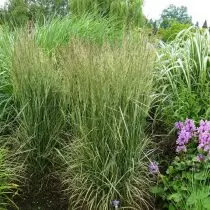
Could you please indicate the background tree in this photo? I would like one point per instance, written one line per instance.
(49, 7)
(197, 24)
(155, 27)
(173, 13)
(205, 25)
(16, 12)
(149, 23)
(128, 12)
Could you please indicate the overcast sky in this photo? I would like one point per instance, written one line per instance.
(198, 9)
(2, 2)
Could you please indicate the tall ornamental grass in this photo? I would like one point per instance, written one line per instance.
(8, 179)
(109, 94)
(183, 77)
(91, 28)
(6, 93)
(40, 105)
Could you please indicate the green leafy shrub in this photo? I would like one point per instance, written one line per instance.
(186, 182)
(170, 33)
(110, 91)
(185, 185)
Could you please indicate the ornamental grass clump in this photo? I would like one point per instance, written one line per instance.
(109, 89)
(7, 112)
(183, 77)
(40, 106)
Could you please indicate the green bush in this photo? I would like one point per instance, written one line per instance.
(170, 33)
(109, 91)
(185, 184)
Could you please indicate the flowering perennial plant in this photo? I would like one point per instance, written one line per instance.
(188, 131)
(153, 168)
(185, 183)
(115, 204)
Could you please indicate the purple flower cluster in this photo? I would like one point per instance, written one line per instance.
(200, 158)
(116, 203)
(186, 130)
(204, 136)
(153, 168)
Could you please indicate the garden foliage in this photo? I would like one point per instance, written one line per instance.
(76, 98)
(185, 185)
(183, 77)
(72, 113)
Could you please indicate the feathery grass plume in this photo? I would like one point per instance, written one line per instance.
(109, 91)
(41, 105)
